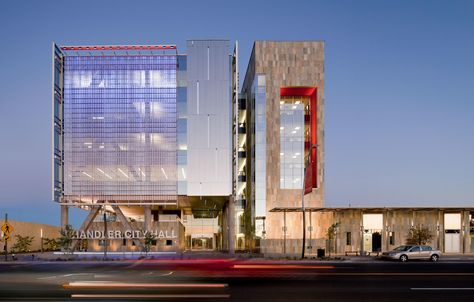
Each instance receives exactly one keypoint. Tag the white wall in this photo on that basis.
(209, 118)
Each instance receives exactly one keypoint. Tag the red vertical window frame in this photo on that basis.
(311, 92)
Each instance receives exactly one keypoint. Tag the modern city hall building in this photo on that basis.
(151, 140)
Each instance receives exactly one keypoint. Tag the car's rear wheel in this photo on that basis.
(434, 258)
(403, 258)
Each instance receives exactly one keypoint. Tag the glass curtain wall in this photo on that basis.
(260, 171)
(57, 123)
(182, 124)
(292, 127)
(120, 127)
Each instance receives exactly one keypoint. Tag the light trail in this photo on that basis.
(91, 285)
(149, 296)
(272, 266)
(442, 288)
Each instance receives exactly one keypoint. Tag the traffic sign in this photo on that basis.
(6, 237)
(7, 228)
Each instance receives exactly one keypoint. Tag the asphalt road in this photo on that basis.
(232, 280)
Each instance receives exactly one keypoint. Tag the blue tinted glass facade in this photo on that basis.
(120, 127)
(182, 124)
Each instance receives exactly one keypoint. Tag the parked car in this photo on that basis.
(405, 252)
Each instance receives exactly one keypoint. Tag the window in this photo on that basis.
(426, 248)
(154, 242)
(348, 238)
(391, 238)
(415, 249)
(124, 242)
(169, 242)
(102, 242)
(291, 145)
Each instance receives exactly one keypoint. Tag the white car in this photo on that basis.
(405, 252)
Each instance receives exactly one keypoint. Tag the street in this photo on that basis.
(236, 280)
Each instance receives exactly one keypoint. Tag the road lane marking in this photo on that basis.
(87, 284)
(153, 274)
(49, 277)
(149, 296)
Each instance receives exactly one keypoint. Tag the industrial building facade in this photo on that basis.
(149, 140)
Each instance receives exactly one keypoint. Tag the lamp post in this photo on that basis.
(302, 199)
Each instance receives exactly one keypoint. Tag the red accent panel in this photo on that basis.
(312, 93)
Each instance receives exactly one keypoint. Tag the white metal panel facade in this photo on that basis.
(209, 118)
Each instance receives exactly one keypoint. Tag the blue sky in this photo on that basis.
(399, 87)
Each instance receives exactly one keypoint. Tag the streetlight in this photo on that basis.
(302, 198)
(41, 236)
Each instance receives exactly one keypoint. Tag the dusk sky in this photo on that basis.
(399, 87)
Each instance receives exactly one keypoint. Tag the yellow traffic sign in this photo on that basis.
(7, 228)
(6, 237)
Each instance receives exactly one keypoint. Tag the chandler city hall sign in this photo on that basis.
(128, 234)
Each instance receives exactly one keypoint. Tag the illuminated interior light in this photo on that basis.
(297, 128)
(243, 165)
(88, 175)
(243, 141)
(297, 153)
(143, 174)
(101, 147)
(90, 147)
(242, 189)
(120, 170)
(97, 117)
(294, 156)
(184, 174)
(107, 175)
(281, 154)
(297, 102)
(294, 131)
(293, 107)
(88, 143)
(164, 173)
(282, 102)
(281, 128)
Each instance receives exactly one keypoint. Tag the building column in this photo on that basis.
(361, 225)
(466, 231)
(231, 225)
(386, 231)
(148, 218)
(64, 216)
(441, 230)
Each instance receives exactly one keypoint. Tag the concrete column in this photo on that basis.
(64, 216)
(148, 218)
(231, 225)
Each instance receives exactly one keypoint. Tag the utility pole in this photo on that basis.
(6, 241)
(105, 235)
(302, 198)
